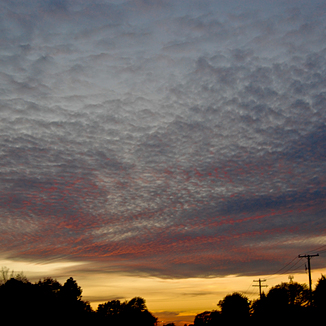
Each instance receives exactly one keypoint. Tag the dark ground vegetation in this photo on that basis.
(47, 302)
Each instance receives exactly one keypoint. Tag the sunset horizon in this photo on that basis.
(170, 300)
(173, 150)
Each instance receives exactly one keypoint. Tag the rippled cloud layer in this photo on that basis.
(166, 138)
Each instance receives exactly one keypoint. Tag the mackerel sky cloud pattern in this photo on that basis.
(166, 138)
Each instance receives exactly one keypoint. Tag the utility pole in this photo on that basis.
(309, 271)
(260, 286)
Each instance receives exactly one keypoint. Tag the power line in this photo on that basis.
(319, 249)
(290, 266)
(285, 266)
(295, 269)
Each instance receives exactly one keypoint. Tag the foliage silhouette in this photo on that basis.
(71, 291)
(208, 318)
(296, 293)
(46, 301)
(17, 301)
(49, 302)
(319, 298)
(127, 313)
(6, 274)
(319, 294)
(285, 303)
(235, 308)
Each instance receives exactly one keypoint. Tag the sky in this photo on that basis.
(173, 150)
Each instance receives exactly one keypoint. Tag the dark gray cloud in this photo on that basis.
(162, 138)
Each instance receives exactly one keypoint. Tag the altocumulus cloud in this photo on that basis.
(171, 138)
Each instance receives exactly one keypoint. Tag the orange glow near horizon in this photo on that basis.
(171, 300)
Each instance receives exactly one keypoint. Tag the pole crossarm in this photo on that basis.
(308, 256)
(260, 286)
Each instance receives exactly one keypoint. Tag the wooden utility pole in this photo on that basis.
(260, 286)
(309, 271)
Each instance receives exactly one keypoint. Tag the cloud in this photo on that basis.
(175, 143)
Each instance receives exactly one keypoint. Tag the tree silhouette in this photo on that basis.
(73, 308)
(296, 293)
(48, 302)
(71, 291)
(137, 303)
(127, 313)
(49, 285)
(285, 303)
(235, 308)
(319, 299)
(6, 275)
(110, 312)
(208, 318)
(258, 308)
(319, 294)
(44, 302)
(17, 300)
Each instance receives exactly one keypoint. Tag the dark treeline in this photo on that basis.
(49, 302)
(285, 304)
